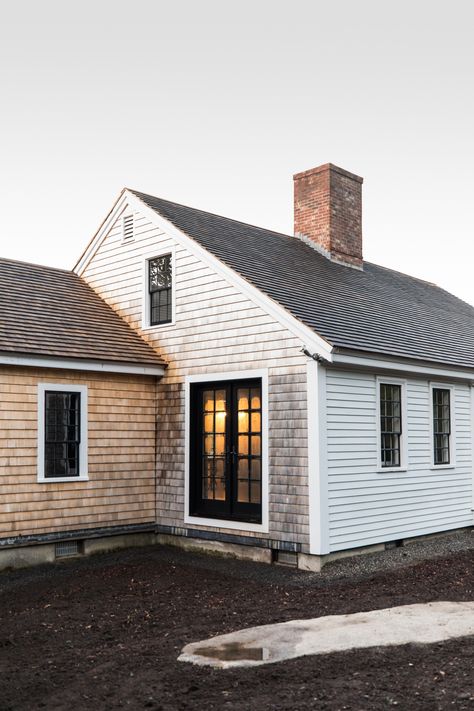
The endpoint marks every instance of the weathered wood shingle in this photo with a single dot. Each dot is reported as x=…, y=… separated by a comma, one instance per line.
x=53, y=312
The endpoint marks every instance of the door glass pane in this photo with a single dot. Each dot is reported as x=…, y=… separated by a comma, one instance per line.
x=207, y=488
x=208, y=399
x=243, y=492
x=220, y=400
x=255, y=398
x=255, y=422
x=243, y=398
x=256, y=469
x=219, y=490
x=220, y=421
x=255, y=445
x=209, y=444
x=243, y=468
x=219, y=465
x=243, y=421
x=220, y=444
x=208, y=423
x=243, y=444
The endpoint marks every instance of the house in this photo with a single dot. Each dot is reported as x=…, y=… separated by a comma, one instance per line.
x=269, y=395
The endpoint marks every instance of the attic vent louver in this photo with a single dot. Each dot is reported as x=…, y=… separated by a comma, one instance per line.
x=127, y=227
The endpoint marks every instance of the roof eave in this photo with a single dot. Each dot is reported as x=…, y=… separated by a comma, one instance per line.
x=32, y=360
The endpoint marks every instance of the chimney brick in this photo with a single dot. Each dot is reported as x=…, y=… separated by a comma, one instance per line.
x=328, y=212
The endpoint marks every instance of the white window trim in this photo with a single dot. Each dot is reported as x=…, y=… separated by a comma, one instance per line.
x=146, y=294
x=224, y=523
x=131, y=239
x=403, y=437
x=83, y=468
x=452, y=436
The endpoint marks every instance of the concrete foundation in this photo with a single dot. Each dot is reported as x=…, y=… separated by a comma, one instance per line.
x=23, y=556
x=27, y=556
x=232, y=550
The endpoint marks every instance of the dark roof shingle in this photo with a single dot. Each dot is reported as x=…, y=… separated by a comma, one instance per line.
x=376, y=310
x=53, y=312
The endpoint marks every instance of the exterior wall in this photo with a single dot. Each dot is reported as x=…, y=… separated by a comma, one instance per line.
x=217, y=329
x=369, y=506
x=121, y=429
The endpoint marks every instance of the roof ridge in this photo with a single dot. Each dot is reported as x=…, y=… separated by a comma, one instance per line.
x=138, y=193
x=213, y=214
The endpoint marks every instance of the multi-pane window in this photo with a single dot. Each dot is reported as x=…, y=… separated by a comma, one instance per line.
x=160, y=290
x=62, y=433
x=390, y=424
x=441, y=425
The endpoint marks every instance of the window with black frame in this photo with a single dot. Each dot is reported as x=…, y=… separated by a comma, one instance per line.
x=441, y=425
x=160, y=290
x=390, y=424
x=62, y=434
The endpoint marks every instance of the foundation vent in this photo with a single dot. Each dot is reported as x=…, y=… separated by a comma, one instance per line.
x=66, y=549
x=285, y=558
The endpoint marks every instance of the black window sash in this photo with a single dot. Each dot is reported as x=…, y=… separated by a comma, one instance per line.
x=441, y=399
x=390, y=424
x=160, y=290
x=62, y=434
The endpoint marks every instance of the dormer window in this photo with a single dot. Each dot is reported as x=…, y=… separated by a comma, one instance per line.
x=160, y=290
x=127, y=228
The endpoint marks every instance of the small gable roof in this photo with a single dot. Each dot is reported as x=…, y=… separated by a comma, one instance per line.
x=375, y=309
x=54, y=313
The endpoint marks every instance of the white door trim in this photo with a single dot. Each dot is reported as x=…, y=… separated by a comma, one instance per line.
x=261, y=373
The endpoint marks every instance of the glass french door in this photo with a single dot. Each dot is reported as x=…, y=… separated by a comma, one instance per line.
x=226, y=450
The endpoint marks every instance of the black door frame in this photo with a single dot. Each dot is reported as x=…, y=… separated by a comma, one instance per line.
x=230, y=509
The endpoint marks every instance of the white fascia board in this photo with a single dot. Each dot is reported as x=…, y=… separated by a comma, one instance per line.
x=117, y=208
x=360, y=361
x=308, y=337
x=72, y=364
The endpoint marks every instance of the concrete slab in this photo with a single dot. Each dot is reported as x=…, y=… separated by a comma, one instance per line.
x=417, y=624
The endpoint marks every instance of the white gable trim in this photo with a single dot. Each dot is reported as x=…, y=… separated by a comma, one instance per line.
x=118, y=208
x=308, y=337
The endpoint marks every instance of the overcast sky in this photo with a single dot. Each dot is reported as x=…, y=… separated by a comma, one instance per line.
x=216, y=104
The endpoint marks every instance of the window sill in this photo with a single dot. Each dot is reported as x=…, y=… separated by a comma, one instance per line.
x=158, y=327
x=435, y=467
x=61, y=480
x=388, y=470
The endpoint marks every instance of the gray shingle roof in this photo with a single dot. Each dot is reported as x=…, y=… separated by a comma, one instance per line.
x=376, y=310
x=52, y=312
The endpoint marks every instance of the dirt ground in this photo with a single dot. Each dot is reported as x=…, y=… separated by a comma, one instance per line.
x=105, y=632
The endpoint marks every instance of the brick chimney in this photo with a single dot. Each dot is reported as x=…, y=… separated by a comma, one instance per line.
x=328, y=212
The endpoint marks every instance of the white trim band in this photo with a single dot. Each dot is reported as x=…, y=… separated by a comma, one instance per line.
x=101, y=366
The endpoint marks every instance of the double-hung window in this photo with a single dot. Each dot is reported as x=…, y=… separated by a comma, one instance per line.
x=160, y=290
x=62, y=432
x=441, y=403
x=390, y=425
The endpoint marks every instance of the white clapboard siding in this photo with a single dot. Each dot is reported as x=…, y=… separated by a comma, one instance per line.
x=217, y=329
x=368, y=506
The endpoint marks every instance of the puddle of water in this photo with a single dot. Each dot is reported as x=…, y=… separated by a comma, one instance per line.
x=418, y=624
x=233, y=652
